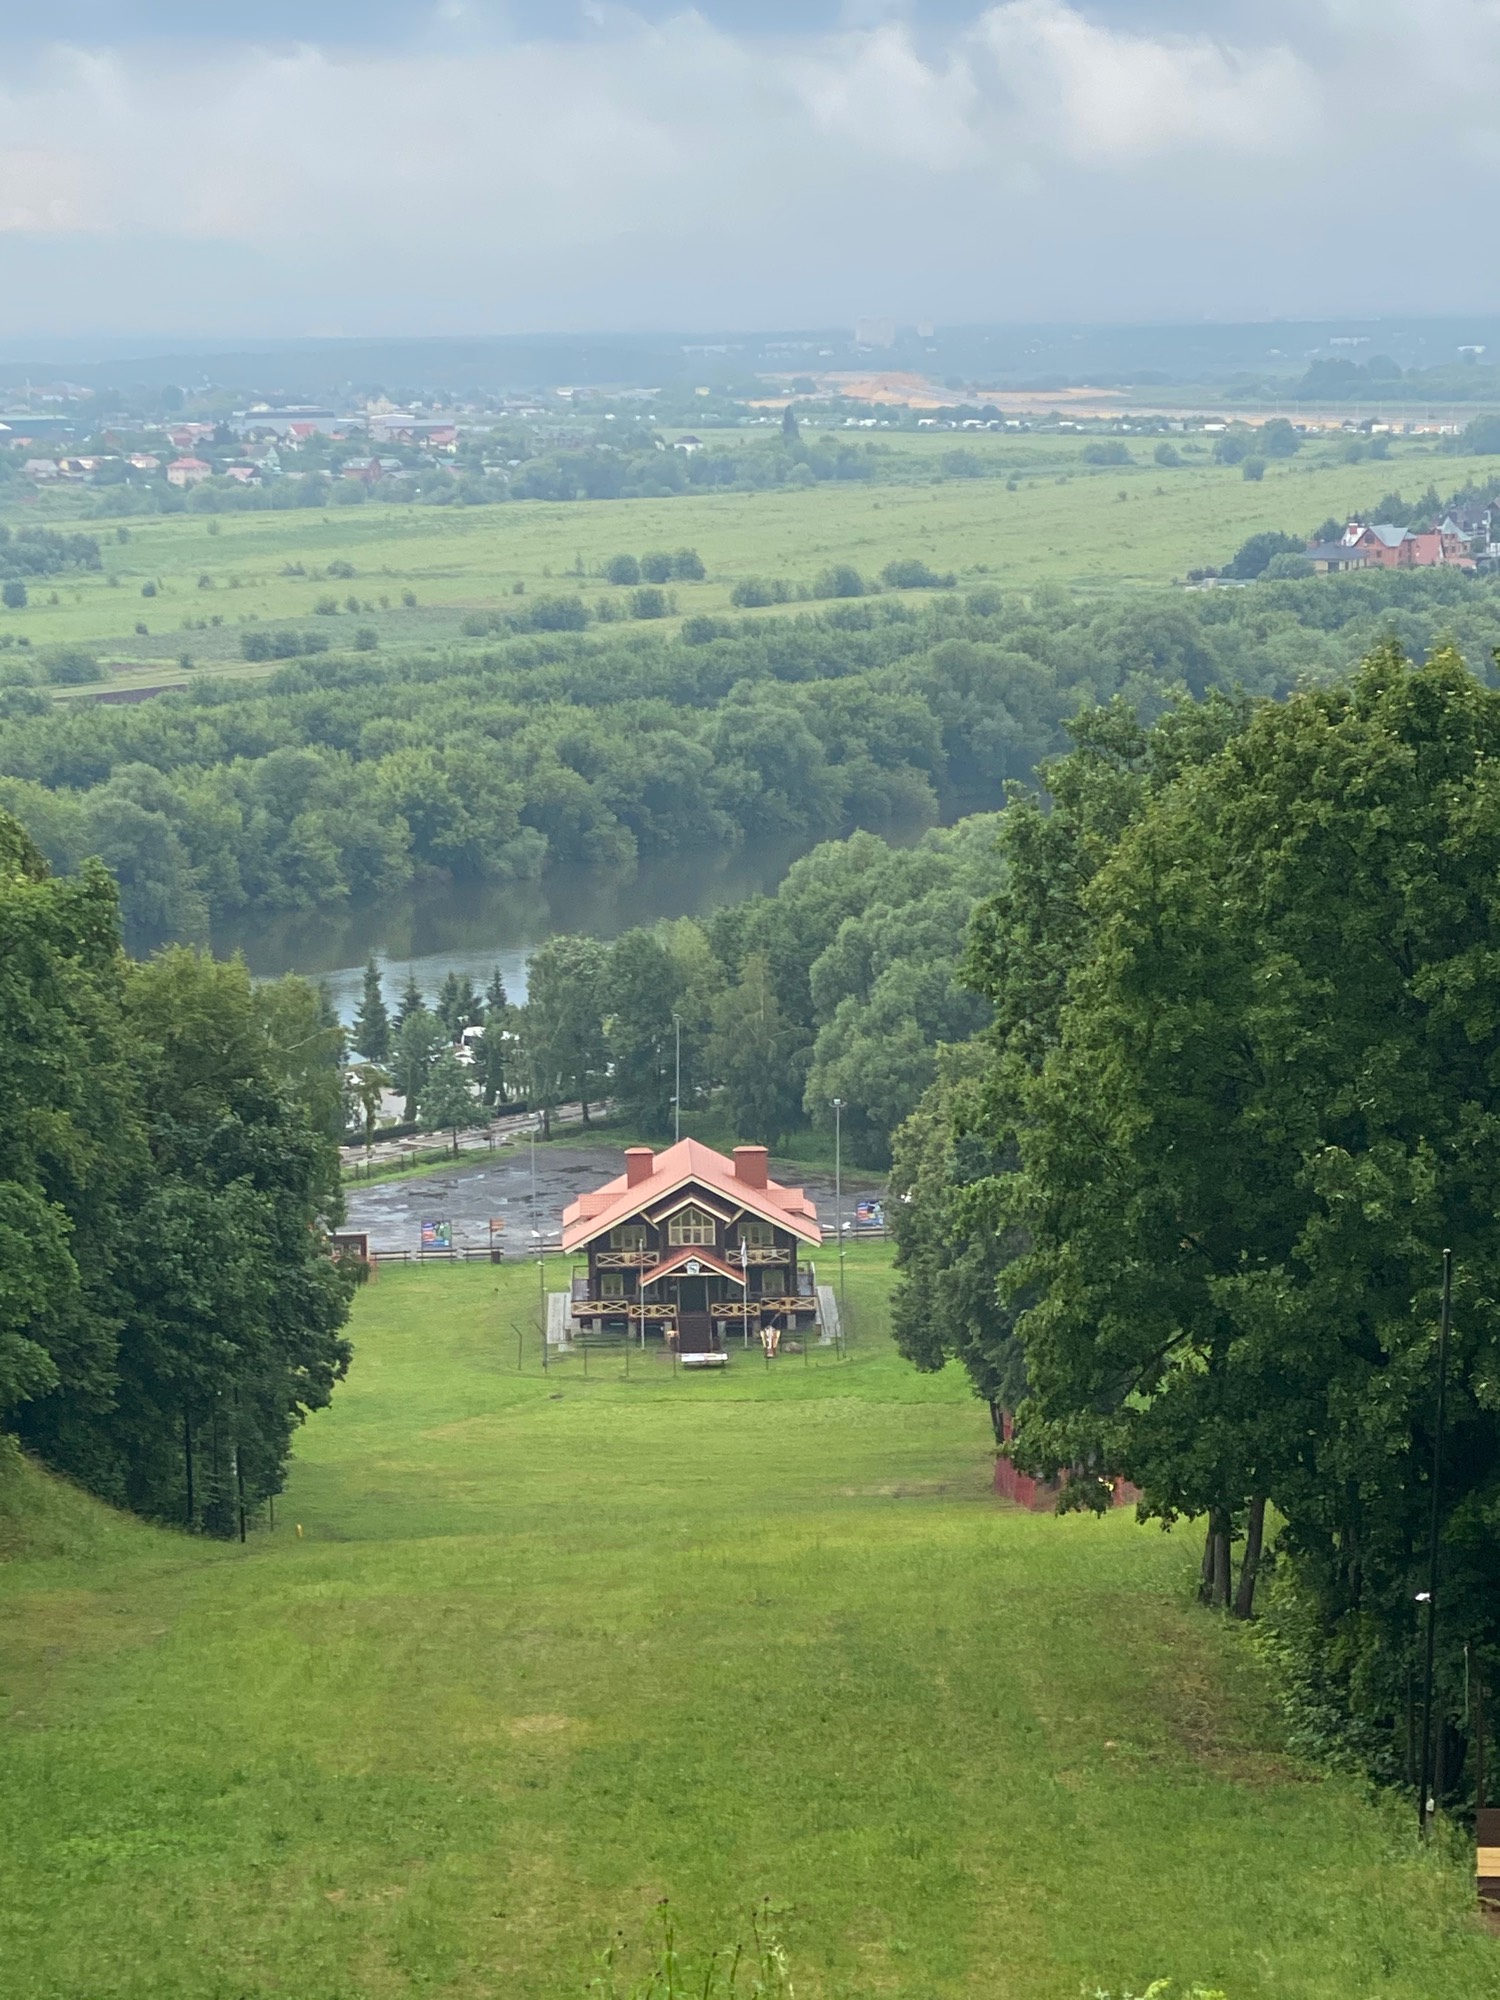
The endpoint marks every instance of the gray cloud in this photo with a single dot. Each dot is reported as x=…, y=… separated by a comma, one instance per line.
x=1031, y=160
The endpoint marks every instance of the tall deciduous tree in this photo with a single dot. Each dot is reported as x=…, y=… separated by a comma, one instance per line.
x=447, y=1101
x=1274, y=1100
x=564, y=1020
x=761, y=1058
x=420, y=1040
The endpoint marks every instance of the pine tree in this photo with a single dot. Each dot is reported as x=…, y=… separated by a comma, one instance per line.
x=411, y=1001
x=372, y=1024
x=496, y=999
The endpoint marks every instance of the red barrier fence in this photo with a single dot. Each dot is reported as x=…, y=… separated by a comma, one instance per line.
x=1039, y=1496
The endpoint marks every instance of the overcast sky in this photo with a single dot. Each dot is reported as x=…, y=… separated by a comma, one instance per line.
x=263, y=167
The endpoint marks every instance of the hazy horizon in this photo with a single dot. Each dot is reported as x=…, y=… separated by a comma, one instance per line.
x=298, y=171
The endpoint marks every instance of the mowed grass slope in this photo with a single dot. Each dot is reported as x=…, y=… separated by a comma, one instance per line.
x=1090, y=528
x=551, y=1649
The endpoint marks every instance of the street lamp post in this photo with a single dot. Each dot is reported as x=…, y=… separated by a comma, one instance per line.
x=536, y=1237
x=1426, y=1804
x=677, y=1084
x=838, y=1198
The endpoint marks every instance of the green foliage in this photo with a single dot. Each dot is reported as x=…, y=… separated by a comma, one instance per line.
x=1253, y=469
x=372, y=1024
x=1167, y=454
x=258, y=644
x=420, y=1039
x=1252, y=557
x=13, y=594
x=446, y=1101
x=1248, y=1067
x=1107, y=451
x=68, y=666
x=758, y=1053
x=166, y=1314
x=564, y=1054
x=343, y=778
x=910, y=573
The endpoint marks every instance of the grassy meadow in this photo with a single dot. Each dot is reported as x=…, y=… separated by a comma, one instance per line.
x=1061, y=522
x=549, y=1648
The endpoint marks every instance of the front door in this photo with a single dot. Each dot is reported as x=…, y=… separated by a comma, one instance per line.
x=694, y=1327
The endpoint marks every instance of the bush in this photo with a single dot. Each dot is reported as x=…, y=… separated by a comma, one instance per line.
x=911, y=573
x=1167, y=454
x=1279, y=439
x=962, y=464
x=1252, y=556
x=13, y=594
x=148, y=590
x=1285, y=567
x=687, y=566
x=839, y=580
x=657, y=567
x=326, y=607
x=1106, y=451
x=648, y=602
x=263, y=645
x=69, y=666
x=553, y=614
x=340, y=568
x=622, y=569
x=1480, y=436
x=366, y=639
x=409, y=599
x=756, y=591
x=1253, y=469
x=700, y=631
x=1231, y=448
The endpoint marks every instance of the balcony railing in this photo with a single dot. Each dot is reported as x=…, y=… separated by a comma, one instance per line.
x=625, y=1260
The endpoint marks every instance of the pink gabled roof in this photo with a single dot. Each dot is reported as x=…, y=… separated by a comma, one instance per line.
x=686, y=1164
x=678, y=1258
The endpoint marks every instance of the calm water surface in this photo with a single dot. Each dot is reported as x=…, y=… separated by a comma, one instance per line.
x=474, y=928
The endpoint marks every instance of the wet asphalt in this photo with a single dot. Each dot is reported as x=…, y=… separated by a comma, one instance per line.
x=392, y=1212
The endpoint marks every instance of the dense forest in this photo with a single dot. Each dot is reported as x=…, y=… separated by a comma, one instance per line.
x=346, y=776
x=168, y=1169
x=1183, y=1202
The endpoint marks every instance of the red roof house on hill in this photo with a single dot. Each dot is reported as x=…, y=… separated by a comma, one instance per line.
x=690, y=1244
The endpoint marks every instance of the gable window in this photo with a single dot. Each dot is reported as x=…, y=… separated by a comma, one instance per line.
x=691, y=1228
x=759, y=1235
x=629, y=1236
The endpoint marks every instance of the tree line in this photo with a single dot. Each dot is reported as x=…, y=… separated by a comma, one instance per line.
x=844, y=983
x=168, y=1173
x=1183, y=1204
x=347, y=776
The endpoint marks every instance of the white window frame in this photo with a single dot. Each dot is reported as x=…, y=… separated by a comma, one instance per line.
x=699, y=1233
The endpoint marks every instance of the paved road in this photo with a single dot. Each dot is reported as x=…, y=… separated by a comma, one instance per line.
x=392, y=1212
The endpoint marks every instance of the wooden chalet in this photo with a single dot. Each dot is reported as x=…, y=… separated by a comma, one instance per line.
x=692, y=1247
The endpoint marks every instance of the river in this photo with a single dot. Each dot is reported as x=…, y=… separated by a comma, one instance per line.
x=474, y=928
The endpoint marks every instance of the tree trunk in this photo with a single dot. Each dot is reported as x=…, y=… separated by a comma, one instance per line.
x=1206, y=1574
x=585, y=1102
x=997, y=1422
x=1220, y=1598
x=187, y=1459
x=1255, y=1529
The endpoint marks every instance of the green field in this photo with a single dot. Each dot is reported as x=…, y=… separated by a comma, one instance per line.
x=1081, y=527
x=551, y=1648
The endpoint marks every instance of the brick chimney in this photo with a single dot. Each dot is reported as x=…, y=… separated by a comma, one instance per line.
x=640, y=1164
x=750, y=1165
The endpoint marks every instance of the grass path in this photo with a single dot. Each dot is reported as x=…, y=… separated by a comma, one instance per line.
x=551, y=1649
